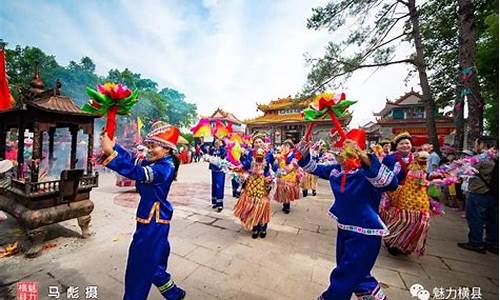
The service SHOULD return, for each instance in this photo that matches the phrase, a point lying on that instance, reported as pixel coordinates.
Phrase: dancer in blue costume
(218, 153)
(150, 248)
(356, 184)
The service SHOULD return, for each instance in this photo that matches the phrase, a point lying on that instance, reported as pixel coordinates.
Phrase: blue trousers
(147, 263)
(218, 180)
(481, 210)
(235, 184)
(356, 256)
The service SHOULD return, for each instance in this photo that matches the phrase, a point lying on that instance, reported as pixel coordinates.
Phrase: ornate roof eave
(266, 119)
(226, 115)
(283, 103)
(406, 95)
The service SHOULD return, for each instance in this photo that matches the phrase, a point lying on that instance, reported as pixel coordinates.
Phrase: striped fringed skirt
(407, 229)
(252, 211)
(286, 191)
(309, 182)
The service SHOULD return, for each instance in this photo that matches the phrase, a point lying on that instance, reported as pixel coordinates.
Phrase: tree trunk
(430, 106)
(458, 119)
(467, 81)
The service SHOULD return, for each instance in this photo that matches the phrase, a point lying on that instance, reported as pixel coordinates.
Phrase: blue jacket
(153, 180)
(221, 153)
(393, 164)
(356, 209)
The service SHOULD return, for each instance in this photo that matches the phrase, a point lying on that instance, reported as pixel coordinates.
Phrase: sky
(227, 54)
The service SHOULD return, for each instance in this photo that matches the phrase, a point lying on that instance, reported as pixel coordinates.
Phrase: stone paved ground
(213, 258)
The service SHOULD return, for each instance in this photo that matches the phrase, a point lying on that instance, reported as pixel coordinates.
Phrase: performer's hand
(362, 155)
(303, 147)
(107, 145)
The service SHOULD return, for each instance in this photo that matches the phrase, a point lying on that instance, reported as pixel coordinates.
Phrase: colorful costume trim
(383, 178)
(376, 294)
(110, 158)
(156, 211)
(358, 229)
(254, 206)
(408, 215)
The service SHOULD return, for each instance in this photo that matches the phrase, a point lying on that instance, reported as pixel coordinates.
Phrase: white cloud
(228, 54)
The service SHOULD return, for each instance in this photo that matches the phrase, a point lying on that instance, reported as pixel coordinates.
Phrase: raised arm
(309, 165)
(122, 162)
(379, 175)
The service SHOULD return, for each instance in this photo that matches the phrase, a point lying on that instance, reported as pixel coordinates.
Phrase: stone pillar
(74, 135)
(20, 149)
(52, 131)
(3, 136)
(36, 155)
(90, 149)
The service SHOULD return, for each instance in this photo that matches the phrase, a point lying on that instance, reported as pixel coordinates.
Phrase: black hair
(488, 141)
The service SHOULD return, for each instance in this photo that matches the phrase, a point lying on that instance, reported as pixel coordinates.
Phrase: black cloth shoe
(314, 192)
(492, 249)
(470, 247)
(219, 209)
(304, 193)
(263, 231)
(393, 251)
(286, 208)
(255, 232)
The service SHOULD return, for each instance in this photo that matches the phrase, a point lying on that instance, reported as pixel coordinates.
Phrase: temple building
(407, 114)
(283, 120)
(226, 118)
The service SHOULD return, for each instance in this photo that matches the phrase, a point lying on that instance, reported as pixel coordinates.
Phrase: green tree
(180, 112)
(375, 28)
(440, 29)
(487, 64)
(168, 105)
(132, 80)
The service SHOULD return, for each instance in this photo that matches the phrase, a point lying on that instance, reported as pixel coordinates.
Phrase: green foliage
(189, 137)
(440, 36)
(487, 64)
(374, 28)
(180, 112)
(168, 105)
(131, 80)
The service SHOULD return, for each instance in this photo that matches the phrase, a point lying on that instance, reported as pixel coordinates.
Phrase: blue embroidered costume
(218, 177)
(149, 250)
(360, 228)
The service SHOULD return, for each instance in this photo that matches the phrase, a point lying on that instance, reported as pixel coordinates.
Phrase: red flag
(6, 99)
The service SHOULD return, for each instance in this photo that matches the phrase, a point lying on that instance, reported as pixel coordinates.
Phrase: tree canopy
(168, 104)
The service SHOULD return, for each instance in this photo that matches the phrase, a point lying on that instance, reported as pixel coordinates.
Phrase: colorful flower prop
(221, 131)
(234, 153)
(236, 137)
(327, 103)
(202, 129)
(449, 173)
(109, 100)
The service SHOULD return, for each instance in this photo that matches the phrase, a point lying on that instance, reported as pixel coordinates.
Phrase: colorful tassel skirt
(286, 191)
(309, 182)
